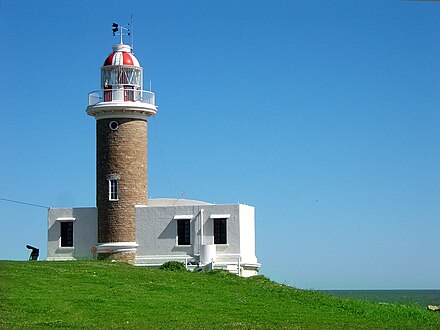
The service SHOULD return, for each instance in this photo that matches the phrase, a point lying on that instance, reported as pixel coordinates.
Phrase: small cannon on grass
(35, 252)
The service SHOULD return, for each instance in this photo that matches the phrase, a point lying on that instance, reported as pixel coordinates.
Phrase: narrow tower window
(113, 194)
(66, 234)
(183, 232)
(220, 231)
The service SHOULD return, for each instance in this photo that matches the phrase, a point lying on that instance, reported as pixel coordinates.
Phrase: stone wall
(121, 152)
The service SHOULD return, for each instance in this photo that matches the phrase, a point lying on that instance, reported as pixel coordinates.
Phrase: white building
(166, 229)
(128, 226)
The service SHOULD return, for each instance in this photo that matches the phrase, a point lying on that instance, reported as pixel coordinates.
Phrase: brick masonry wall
(122, 152)
(124, 257)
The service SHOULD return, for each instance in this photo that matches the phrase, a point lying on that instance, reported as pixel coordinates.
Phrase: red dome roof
(121, 56)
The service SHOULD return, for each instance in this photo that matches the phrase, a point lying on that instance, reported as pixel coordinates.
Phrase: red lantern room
(121, 75)
(121, 85)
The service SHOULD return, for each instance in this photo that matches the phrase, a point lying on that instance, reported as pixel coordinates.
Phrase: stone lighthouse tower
(121, 109)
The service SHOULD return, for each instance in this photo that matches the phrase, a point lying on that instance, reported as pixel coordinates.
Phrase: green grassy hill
(102, 295)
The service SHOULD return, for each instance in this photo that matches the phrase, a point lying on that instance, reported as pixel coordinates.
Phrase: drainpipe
(202, 211)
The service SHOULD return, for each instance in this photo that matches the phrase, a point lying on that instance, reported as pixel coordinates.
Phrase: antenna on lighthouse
(120, 28)
(131, 31)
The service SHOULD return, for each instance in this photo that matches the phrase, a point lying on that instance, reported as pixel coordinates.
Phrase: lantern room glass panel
(118, 75)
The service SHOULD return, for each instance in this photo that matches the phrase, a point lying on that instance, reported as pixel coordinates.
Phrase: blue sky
(324, 115)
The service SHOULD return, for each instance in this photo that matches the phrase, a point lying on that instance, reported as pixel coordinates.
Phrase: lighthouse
(121, 109)
(127, 226)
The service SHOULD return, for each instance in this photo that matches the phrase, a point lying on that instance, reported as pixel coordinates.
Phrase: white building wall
(232, 245)
(247, 234)
(156, 229)
(84, 233)
(156, 232)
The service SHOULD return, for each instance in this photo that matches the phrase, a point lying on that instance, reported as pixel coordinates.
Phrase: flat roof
(175, 202)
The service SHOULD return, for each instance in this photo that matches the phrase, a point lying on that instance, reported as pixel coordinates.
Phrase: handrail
(121, 95)
(170, 258)
(232, 257)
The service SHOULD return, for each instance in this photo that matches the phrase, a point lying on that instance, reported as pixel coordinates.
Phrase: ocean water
(420, 297)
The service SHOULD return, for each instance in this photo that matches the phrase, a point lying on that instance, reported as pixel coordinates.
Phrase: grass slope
(102, 295)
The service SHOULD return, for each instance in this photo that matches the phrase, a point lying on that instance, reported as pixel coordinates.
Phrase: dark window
(66, 234)
(113, 190)
(219, 231)
(183, 232)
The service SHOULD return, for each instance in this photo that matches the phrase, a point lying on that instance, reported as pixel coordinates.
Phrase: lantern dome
(121, 55)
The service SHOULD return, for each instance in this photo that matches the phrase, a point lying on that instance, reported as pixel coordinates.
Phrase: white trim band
(183, 217)
(65, 219)
(117, 247)
(220, 216)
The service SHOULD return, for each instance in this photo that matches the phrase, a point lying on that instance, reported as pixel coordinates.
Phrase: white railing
(228, 259)
(159, 260)
(121, 95)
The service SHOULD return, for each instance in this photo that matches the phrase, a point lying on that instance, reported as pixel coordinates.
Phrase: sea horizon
(421, 297)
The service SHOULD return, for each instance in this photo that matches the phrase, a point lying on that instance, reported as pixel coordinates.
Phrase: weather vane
(119, 28)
